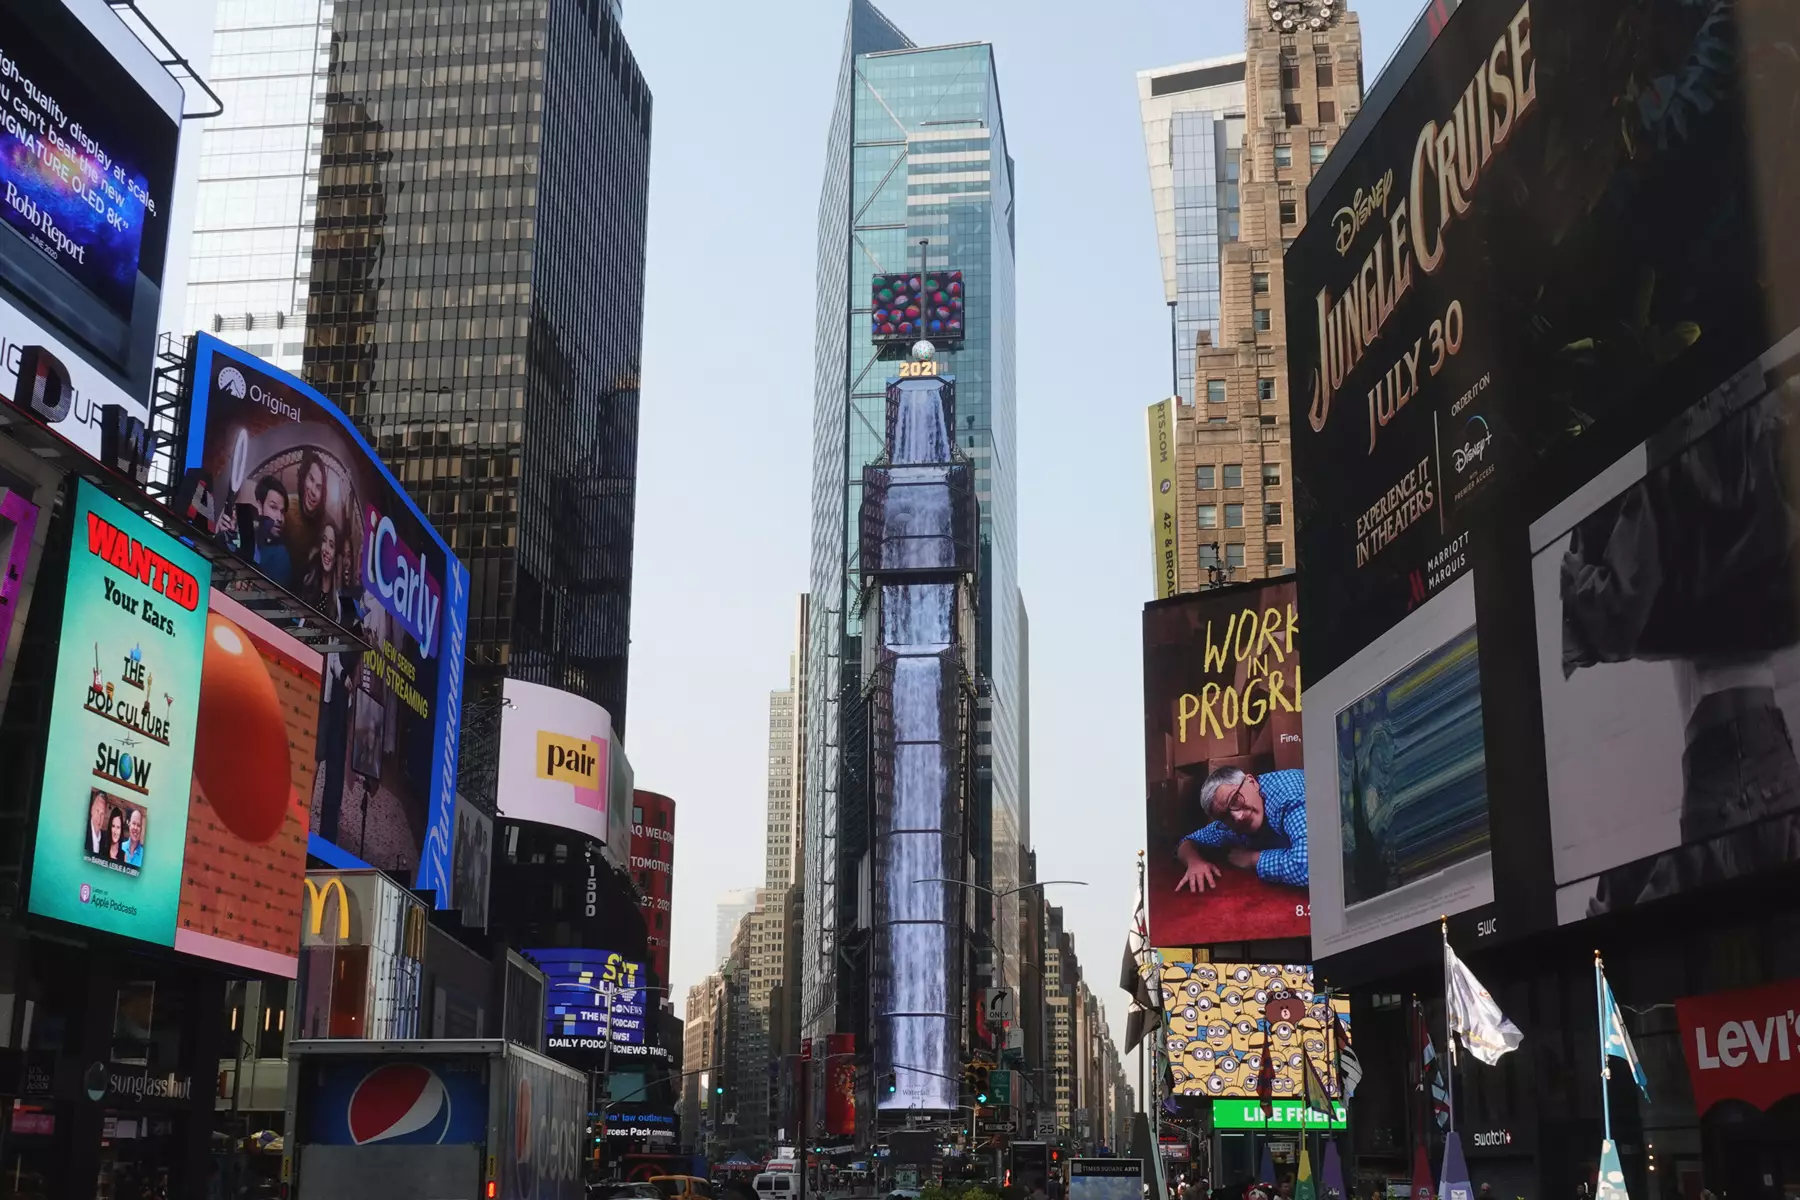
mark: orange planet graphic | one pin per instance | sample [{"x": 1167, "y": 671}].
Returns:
[{"x": 241, "y": 745}]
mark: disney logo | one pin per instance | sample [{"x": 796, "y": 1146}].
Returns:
[
  {"x": 1475, "y": 449},
  {"x": 1353, "y": 216}
]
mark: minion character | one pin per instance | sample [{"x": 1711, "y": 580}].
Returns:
[{"x": 1218, "y": 1035}]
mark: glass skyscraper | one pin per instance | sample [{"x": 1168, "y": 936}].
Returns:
[
  {"x": 1193, "y": 128},
  {"x": 917, "y": 177},
  {"x": 476, "y": 305}
]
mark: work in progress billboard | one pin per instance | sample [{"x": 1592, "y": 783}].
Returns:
[
  {"x": 275, "y": 472},
  {"x": 1225, "y": 795}
]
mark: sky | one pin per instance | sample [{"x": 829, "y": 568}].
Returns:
[{"x": 743, "y": 95}]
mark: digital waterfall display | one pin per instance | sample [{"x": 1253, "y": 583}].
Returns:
[
  {"x": 919, "y": 519},
  {"x": 914, "y": 519}
]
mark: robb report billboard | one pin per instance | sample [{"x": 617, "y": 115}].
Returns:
[
  {"x": 277, "y": 474},
  {"x": 113, "y": 813},
  {"x": 89, "y": 128},
  {"x": 1543, "y": 349},
  {"x": 250, "y": 805},
  {"x": 555, "y": 761},
  {"x": 1225, "y": 794}
]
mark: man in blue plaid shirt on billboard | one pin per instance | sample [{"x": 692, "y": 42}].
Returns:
[{"x": 1255, "y": 823}]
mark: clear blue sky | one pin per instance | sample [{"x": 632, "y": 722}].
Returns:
[{"x": 743, "y": 95}]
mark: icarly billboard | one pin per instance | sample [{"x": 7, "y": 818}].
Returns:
[
  {"x": 113, "y": 813},
  {"x": 279, "y": 475},
  {"x": 1225, "y": 794}
]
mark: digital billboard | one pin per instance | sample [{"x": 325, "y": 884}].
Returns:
[
  {"x": 1226, "y": 812},
  {"x": 653, "y": 870},
  {"x": 908, "y": 306},
  {"x": 1219, "y": 1019},
  {"x": 89, "y": 129},
  {"x": 279, "y": 475},
  {"x": 113, "y": 813},
  {"x": 250, "y": 807},
  {"x": 472, "y": 863},
  {"x": 555, "y": 760},
  {"x": 1106, "y": 1179},
  {"x": 1668, "y": 622},
  {"x": 576, "y": 1005}
]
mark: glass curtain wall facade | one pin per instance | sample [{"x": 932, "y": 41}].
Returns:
[
  {"x": 1193, "y": 118},
  {"x": 917, "y": 166},
  {"x": 477, "y": 307},
  {"x": 250, "y": 263}
]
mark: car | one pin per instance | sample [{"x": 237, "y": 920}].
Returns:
[
  {"x": 776, "y": 1185},
  {"x": 682, "y": 1187},
  {"x": 624, "y": 1191}
]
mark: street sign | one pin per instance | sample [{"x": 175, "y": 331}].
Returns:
[
  {"x": 992, "y": 1127},
  {"x": 1000, "y": 1088}
]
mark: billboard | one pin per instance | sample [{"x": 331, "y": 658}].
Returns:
[
  {"x": 653, "y": 870},
  {"x": 1219, "y": 1019},
  {"x": 1668, "y": 624},
  {"x": 113, "y": 813},
  {"x": 576, "y": 1009},
  {"x": 277, "y": 473},
  {"x": 912, "y": 305},
  {"x": 1164, "y": 500},
  {"x": 555, "y": 760},
  {"x": 840, "y": 1084},
  {"x": 1226, "y": 811},
  {"x": 250, "y": 803},
  {"x": 89, "y": 128},
  {"x": 540, "y": 1156},
  {"x": 1106, "y": 1179},
  {"x": 379, "y": 1099},
  {"x": 472, "y": 863},
  {"x": 1738, "y": 1045}
]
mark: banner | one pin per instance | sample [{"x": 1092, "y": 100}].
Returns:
[
  {"x": 1164, "y": 500},
  {"x": 840, "y": 1084},
  {"x": 1225, "y": 797},
  {"x": 113, "y": 813},
  {"x": 1742, "y": 1045}
]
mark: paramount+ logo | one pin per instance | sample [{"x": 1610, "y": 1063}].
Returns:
[{"x": 566, "y": 759}]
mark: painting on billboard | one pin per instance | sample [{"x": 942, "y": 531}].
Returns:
[
  {"x": 1220, "y": 1019},
  {"x": 278, "y": 474},
  {"x": 250, "y": 807},
  {"x": 1668, "y": 619},
  {"x": 113, "y": 813},
  {"x": 1226, "y": 797}
]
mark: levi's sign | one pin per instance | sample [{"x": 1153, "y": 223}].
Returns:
[{"x": 1743, "y": 1045}]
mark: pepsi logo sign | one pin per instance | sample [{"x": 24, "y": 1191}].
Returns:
[{"x": 402, "y": 1103}]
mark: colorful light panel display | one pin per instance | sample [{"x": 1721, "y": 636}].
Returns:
[{"x": 907, "y": 307}]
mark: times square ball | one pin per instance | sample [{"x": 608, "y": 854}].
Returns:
[{"x": 241, "y": 744}]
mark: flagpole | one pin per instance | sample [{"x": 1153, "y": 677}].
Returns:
[
  {"x": 1605, "y": 1066},
  {"x": 1449, "y": 1033}
]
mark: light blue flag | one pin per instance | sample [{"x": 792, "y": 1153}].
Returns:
[
  {"x": 1612, "y": 1176},
  {"x": 1618, "y": 1039}
]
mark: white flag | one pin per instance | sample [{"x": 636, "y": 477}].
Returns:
[{"x": 1485, "y": 1031}]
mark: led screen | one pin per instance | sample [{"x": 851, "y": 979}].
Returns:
[
  {"x": 1220, "y": 1019},
  {"x": 113, "y": 816},
  {"x": 908, "y": 307},
  {"x": 576, "y": 1006}
]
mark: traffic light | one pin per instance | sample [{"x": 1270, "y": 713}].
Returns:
[
  {"x": 981, "y": 1084},
  {"x": 889, "y": 1083},
  {"x": 720, "y": 1090}
]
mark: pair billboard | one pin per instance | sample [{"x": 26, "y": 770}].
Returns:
[
  {"x": 1226, "y": 824},
  {"x": 113, "y": 812},
  {"x": 250, "y": 805},
  {"x": 556, "y": 760},
  {"x": 277, "y": 473},
  {"x": 90, "y": 125},
  {"x": 1221, "y": 1019}
]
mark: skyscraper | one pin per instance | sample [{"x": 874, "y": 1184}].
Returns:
[
  {"x": 476, "y": 305},
  {"x": 1193, "y": 132},
  {"x": 918, "y": 180},
  {"x": 1302, "y": 82},
  {"x": 733, "y": 907},
  {"x": 786, "y": 769}
]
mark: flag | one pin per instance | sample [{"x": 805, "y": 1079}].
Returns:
[
  {"x": 1618, "y": 1039},
  {"x": 1472, "y": 1013},
  {"x": 1265, "y": 1077},
  {"x": 1146, "y": 1002},
  {"x": 1422, "y": 1188},
  {"x": 1313, "y": 1089},
  {"x": 1267, "y": 1173},
  {"x": 1349, "y": 1067},
  {"x": 1454, "y": 1183},
  {"x": 1430, "y": 1071},
  {"x": 1611, "y": 1185},
  {"x": 1304, "y": 1188},
  {"x": 1332, "y": 1177}
]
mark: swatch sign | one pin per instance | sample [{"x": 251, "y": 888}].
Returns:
[{"x": 1743, "y": 1045}]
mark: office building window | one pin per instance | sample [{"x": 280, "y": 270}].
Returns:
[
  {"x": 1267, "y": 418},
  {"x": 1324, "y": 72},
  {"x": 1234, "y": 556},
  {"x": 1207, "y": 516},
  {"x": 1271, "y": 474},
  {"x": 1271, "y": 514},
  {"x": 1292, "y": 113},
  {"x": 1315, "y": 153},
  {"x": 1290, "y": 73},
  {"x": 1215, "y": 391},
  {"x": 1265, "y": 389},
  {"x": 1284, "y": 156},
  {"x": 1234, "y": 475},
  {"x": 1290, "y": 212},
  {"x": 1260, "y": 319},
  {"x": 1206, "y": 478},
  {"x": 1209, "y": 555},
  {"x": 1275, "y": 555},
  {"x": 1327, "y": 112},
  {"x": 1259, "y": 282},
  {"x": 1234, "y": 516},
  {"x": 1217, "y": 421}
]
